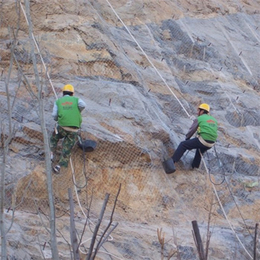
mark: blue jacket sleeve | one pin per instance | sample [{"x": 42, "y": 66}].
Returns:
[{"x": 192, "y": 129}]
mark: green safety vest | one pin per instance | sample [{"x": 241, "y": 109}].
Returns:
[
  {"x": 68, "y": 111},
  {"x": 208, "y": 127}
]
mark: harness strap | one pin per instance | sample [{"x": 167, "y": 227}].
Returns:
[
  {"x": 205, "y": 142},
  {"x": 70, "y": 129}
]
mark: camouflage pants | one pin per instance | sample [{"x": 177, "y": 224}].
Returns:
[{"x": 69, "y": 139}]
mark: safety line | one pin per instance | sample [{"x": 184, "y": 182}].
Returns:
[
  {"x": 75, "y": 188},
  {"x": 73, "y": 172},
  {"x": 223, "y": 210},
  {"x": 166, "y": 86},
  {"x": 148, "y": 58},
  {"x": 213, "y": 184},
  {"x": 185, "y": 112},
  {"x": 38, "y": 49},
  {"x": 234, "y": 47},
  {"x": 87, "y": 219}
]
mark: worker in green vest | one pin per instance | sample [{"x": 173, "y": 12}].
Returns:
[
  {"x": 67, "y": 111},
  {"x": 206, "y": 127}
]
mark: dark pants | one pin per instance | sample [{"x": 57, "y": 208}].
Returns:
[{"x": 190, "y": 144}]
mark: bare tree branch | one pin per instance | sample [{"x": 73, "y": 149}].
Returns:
[
  {"x": 100, "y": 243},
  {"x": 208, "y": 227},
  {"x": 54, "y": 248},
  {"x": 73, "y": 237},
  {"x": 198, "y": 240},
  {"x": 255, "y": 242},
  {"x": 89, "y": 257}
]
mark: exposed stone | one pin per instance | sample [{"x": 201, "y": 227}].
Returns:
[{"x": 202, "y": 51}]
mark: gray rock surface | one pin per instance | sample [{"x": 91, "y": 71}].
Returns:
[{"x": 141, "y": 81}]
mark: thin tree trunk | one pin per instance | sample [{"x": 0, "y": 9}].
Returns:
[
  {"x": 73, "y": 237},
  {"x": 255, "y": 241},
  {"x": 94, "y": 236},
  {"x": 54, "y": 248},
  {"x": 198, "y": 240},
  {"x": 5, "y": 144},
  {"x": 2, "y": 199}
]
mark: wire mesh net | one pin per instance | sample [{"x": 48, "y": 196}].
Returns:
[{"x": 139, "y": 100}]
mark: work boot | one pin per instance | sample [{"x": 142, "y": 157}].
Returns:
[{"x": 168, "y": 166}]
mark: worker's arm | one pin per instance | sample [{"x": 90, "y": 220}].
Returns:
[
  {"x": 55, "y": 112},
  {"x": 81, "y": 105},
  {"x": 192, "y": 129}
]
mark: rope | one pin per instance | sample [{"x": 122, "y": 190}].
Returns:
[
  {"x": 164, "y": 81},
  {"x": 73, "y": 172},
  {"x": 223, "y": 210},
  {"x": 45, "y": 68},
  {"x": 213, "y": 184},
  {"x": 210, "y": 173},
  {"x": 86, "y": 217},
  {"x": 232, "y": 195},
  {"x": 84, "y": 166}
]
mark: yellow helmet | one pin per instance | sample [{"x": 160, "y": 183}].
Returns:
[
  {"x": 204, "y": 106},
  {"x": 68, "y": 88}
]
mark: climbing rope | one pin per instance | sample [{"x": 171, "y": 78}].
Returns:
[
  {"x": 213, "y": 185},
  {"x": 210, "y": 178},
  {"x": 87, "y": 218},
  {"x": 230, "y": 191},
  {"x": 76, "y": 186},
  {"x": 84, "y": 166},
  {"x": 142, "y": 50},
  {"x": 151, "y": 63},
  {"x": 222, "y": 208}
]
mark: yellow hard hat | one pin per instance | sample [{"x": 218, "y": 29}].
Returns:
[
  {"x": 204, "y": 106},
  {"x": 68, "y": 88}
]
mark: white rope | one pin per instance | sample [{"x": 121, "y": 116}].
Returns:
[
  {"x": 185, "y": 112},
  {"x": 72, "y": 168},
  {"x": 223, "y": 210},
  {"x": 87, "y": 219},
  {"x": 45, "y": 68},
  {"x": 75, "y": 188},
  {"x": 148, "y": 58},
  {"x": 36, "y": 44},
  {"x": 234, "y": 47}
]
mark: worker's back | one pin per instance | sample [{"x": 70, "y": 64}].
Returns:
[{"x": 68, "y": 111}]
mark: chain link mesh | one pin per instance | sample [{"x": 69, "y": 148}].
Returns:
[{"x": 137, "y": 120}]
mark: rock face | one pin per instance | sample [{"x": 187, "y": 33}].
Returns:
[{"x": 142, "y": 67}]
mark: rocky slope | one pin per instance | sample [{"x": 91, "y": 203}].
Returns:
[{"x": 142, "y": 67}]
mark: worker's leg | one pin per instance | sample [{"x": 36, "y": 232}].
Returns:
[
  {"x": 55, "y": 138},
  {"x": 67, "y": 145},
  {"x": 186, "y": 145},
  {"x": 197, "y": 157},
  {"x": 54, "y": 141}
]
